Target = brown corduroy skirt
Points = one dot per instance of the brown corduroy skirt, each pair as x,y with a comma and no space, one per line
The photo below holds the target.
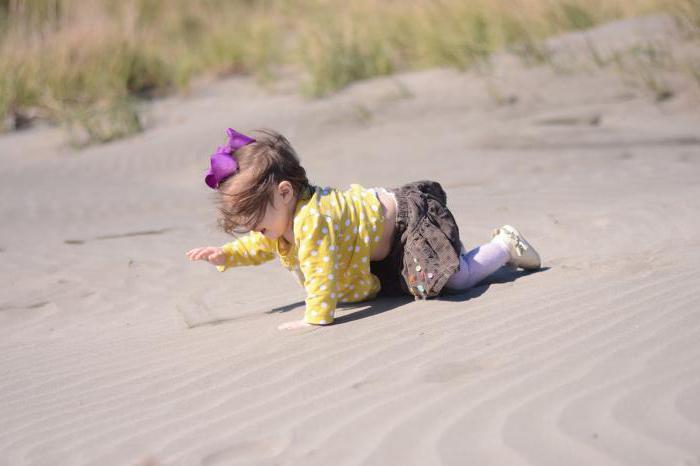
426,245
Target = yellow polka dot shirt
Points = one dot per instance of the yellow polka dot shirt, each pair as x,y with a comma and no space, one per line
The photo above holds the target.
334,234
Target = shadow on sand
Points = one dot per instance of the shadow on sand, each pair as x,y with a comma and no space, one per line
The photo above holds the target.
387,303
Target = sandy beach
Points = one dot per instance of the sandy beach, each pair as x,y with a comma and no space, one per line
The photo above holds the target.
115,350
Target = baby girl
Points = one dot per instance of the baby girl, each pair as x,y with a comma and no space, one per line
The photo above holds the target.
344,246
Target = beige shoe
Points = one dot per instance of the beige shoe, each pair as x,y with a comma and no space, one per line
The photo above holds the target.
522,254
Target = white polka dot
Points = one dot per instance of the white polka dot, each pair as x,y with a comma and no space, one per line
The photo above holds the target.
319,242
304,228
323,287
330,276
319,270
314,253
355,229
357,249
325,230
332,295
331,248
326,259
324,305
376,238
347,222
352,287
314,313
356,295
375,208
354,266
336,227
347,237
364,259
366,239
322,322
374,227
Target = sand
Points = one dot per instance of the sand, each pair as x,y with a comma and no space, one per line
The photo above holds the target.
115,350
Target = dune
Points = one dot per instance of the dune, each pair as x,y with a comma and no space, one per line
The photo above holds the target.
115,350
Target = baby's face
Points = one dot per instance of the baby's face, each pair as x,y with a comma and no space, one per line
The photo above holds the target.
277,219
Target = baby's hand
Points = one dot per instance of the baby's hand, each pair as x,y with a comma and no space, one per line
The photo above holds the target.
295,324
214,255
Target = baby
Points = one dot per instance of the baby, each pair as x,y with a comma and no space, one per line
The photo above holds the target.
344,246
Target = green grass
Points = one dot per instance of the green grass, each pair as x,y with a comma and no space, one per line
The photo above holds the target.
87,63
335,53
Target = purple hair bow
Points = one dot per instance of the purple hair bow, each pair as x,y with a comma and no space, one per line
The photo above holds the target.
223,164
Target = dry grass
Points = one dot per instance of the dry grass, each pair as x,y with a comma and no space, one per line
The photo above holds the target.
85,63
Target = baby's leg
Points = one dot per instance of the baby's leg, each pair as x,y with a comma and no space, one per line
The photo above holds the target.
478,264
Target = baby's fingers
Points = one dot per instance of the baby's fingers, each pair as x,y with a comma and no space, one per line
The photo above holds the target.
192,253
198,254
204,254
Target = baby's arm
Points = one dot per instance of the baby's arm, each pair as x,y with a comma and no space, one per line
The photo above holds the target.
251,249
317,258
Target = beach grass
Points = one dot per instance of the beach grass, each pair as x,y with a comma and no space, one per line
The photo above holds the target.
87,64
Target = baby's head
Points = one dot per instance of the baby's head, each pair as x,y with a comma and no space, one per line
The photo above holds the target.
262,192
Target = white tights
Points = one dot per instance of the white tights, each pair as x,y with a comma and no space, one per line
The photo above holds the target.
478,264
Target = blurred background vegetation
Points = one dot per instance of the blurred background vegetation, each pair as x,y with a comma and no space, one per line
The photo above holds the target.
86,64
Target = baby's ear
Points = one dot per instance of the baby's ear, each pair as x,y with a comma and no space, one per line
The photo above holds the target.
286,190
